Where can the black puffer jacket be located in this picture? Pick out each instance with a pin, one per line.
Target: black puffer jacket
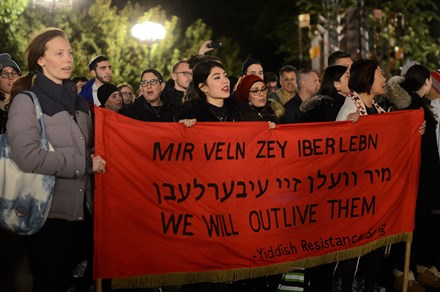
(143, 111)
(272, 111)
(429, 185)
(204, 112)
(322, 108)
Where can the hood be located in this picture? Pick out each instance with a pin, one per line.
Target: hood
(312, 102)
(396, 95)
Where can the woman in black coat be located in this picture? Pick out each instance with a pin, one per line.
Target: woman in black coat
(254, 104)
(406, 93)
(211, 92)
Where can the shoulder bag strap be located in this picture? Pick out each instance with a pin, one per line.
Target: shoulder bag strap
(40, 117)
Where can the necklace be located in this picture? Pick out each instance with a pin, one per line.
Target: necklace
(220, 113)
(156, 110)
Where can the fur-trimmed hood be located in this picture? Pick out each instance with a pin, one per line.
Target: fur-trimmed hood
(277, 107)
(396, 95)
(314, 101)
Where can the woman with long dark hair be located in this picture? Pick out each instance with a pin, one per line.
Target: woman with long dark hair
(211, 101)
(406, 93)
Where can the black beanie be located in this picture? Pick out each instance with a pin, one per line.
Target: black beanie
(6, 61)
(104, 92)
(247, 63)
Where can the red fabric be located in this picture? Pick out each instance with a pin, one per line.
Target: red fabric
(252, 175)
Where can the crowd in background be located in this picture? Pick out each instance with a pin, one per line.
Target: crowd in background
(200, 90)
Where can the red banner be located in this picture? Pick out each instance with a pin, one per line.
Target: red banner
(226, 201)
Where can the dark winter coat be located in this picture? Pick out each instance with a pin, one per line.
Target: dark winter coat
(143, 111)
(272, 111)
(204, 112)
(69, 129)
(429, 186)
(293, 114)
(322, 108)
(171, 95)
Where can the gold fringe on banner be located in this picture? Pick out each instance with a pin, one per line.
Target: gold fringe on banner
(173, 279)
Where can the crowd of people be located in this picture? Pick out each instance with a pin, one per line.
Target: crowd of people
(200, 90)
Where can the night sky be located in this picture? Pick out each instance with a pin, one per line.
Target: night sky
(236, 19)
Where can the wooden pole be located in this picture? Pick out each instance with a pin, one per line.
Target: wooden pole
(406, 266)
(98, 283)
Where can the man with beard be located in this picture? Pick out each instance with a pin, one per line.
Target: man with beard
(101, 70)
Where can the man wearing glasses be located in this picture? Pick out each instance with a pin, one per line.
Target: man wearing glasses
(150, 106)
(288, 85)
(176, 87)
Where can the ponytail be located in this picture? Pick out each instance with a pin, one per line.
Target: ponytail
(21, 84)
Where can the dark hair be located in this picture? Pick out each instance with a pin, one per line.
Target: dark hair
(196, 59)
(178, 63)
(415, 78)
(287, 68)
(76, 79)
(270, 77)
(331, 74)
(201, 73)
(333, 57)
(155, 72)
(94, 62)
(34, 51)
(362, 75)
(247, 63)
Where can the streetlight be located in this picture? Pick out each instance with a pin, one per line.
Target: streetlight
(52, 5)
(148, 32)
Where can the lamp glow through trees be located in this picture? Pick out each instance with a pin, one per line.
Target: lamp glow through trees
(148, 32)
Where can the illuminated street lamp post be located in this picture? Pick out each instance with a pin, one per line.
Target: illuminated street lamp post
(148, 32)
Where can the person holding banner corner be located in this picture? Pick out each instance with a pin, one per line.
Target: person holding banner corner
(54, 249)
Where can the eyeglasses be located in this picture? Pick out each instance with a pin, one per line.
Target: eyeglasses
(116, 95)
(185, 73)
(258, 91)
(152, 82)
(127, 93)
(7, 75)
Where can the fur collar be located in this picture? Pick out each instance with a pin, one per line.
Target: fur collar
(277, 107)
(396, 95)
(314, 101)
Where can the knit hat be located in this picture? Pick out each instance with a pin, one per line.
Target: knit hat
(247, 63)
(6, 61)
(245, 85)
(436, 80)
(104, 92)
